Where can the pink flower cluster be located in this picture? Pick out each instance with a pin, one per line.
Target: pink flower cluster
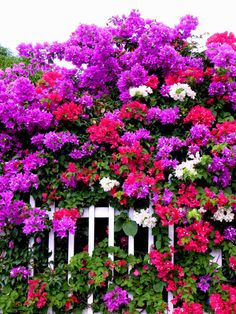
(195, 237)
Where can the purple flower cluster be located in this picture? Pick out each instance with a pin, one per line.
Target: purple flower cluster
(64, 225)
(17, 173)
(23, 90)
(9, 143)
(34, 221)
(37, 119)
(227, 138)
(115, 299)
(200, 134)
(167, 196)
(223, 56)
(21, 109)
(33, 161)
(187, 24)
(100, 57)
(129, 138)
(54, 140)
(164, 116)
(87, 149)
(114, 116)
(134, 77)
(165, 146)
(10, 210)
(204, 283)
(230, 233)
(221, 166)
(20, 271)
(22, 182)
(136, 188)
(86, 100)
(70, 181)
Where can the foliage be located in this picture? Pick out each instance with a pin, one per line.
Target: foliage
(7, 59)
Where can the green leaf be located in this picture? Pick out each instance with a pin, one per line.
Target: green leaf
(118, 224)
(159, 241)
(130, 228)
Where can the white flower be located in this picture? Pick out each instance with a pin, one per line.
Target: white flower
(202, 210)
(225, 214)
(188, 166)
(107, 184)
(142, 90)
(144, 218)
(180, 91)
(149, 222)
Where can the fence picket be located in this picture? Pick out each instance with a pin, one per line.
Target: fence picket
(91, 230)
(91, 248)
(217, 256)
(131, 239)
(71, 246)
(51, 240)
(150, 236)
(31, 242)
(172, 239)
(111, 232)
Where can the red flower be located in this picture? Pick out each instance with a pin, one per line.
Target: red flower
(223, 305)
(189, 308)
(68, 111)
(195, 237)
(72, 168)
(44, 197)
(107, 263)
(105, 132)
(200, 115)
(72, 213)
(224, 128)
(49, 78)
(188, 196)
(36, 293)
(166, 270)
(232, 262)
(169, 215)
(72, 300)
(152, 81)
(133, 110)
(223, 38)
(222, 199)
(122, 263)
(188, 76)
(218, 238)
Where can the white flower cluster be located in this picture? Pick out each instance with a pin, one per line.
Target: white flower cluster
(202, 210)
(144, 218)
(142, 90)
(180, 91)
(225, 214)
(107, 184)
(188, 166)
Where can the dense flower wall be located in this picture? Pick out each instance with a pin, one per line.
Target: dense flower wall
(142, 118)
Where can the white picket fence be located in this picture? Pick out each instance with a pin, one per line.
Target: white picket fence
(91, 214)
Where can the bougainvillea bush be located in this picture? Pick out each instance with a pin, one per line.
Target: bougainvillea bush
(141, 119)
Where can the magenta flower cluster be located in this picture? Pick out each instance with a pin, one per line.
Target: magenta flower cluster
(115, 299)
